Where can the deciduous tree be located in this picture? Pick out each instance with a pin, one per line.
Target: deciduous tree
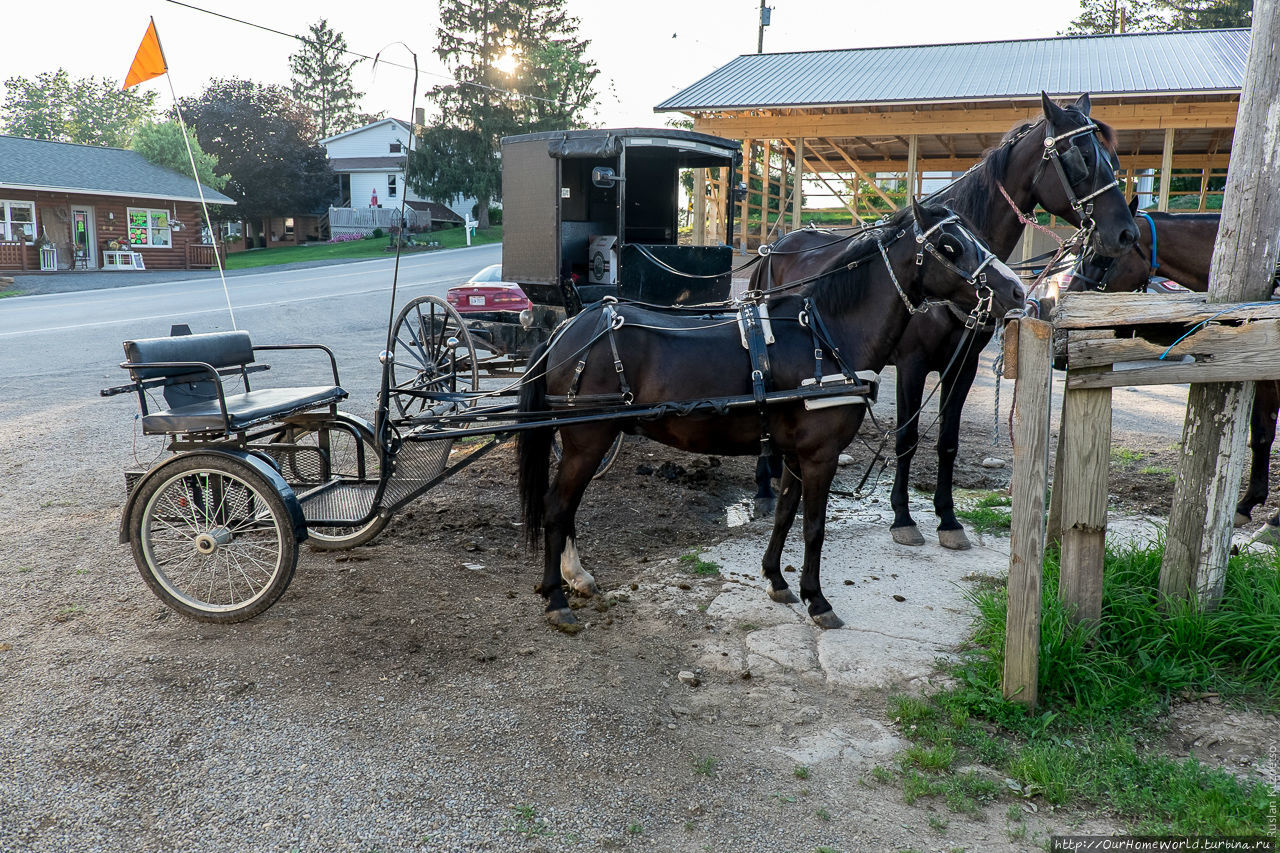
(161, 143)
(84, 110)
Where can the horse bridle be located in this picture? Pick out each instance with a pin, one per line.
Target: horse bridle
(1101, 283)
(977, 278)
(1072, 169)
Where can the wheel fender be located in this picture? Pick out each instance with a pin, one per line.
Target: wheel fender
(268, 472)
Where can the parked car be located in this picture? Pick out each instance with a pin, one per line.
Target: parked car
(497, 313)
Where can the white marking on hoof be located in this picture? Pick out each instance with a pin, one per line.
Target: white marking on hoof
(578, 578)
(828, 620)
(909, 535)
(954, 540)
(783, 596)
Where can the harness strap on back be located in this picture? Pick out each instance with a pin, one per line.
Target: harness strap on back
(761, 370)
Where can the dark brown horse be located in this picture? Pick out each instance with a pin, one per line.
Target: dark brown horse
(1179, 246)
(853, 315)
(1073, 177)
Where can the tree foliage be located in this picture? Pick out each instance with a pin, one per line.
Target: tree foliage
(161, 143)
(1208, 14)
(265, 141)
(548, 84)
(322, 80)
(84, 110)
(1113, 16)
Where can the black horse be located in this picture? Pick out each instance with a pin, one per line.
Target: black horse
(1066, 163)
(1179, 246)
(854, 315)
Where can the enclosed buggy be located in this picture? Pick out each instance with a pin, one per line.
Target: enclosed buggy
(595, 213)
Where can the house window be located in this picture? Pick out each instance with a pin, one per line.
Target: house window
(149, 229)
(232, 230)
(395, 148)
(18, 221)
(391, 186)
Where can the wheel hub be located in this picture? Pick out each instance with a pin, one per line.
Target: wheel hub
(212, 540)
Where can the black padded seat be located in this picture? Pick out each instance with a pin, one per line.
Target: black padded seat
(243, 410)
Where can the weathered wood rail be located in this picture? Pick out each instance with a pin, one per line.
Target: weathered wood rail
(1113, 340)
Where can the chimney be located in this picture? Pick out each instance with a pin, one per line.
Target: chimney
(419, 117)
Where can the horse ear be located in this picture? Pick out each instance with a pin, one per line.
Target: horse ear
(1052, 111)
(1133, 206)
(919, 213)
(1082, 104)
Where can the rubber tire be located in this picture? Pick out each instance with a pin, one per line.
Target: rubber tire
(143, 524)
(332, 538)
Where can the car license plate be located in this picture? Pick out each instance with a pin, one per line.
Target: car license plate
(475, 300)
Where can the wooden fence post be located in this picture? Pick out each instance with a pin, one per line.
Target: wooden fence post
(1085, 451)
(1244, 257)
(1033, 367)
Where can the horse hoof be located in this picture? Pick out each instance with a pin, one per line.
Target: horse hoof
(909, 535)
(1242, 519)
(828, 620)
(783, 596)
(584, 591)
(954, 540)
(564, 620)
(764, 507)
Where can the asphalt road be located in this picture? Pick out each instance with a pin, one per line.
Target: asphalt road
(58, 344)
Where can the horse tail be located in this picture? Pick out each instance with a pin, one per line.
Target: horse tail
(533, 449)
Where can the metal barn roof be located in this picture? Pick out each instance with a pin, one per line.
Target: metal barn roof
(1193, 61)
(40, 164)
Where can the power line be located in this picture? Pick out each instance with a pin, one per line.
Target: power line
(376, 58)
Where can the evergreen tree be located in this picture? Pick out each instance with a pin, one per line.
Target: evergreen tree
(84, 110)
(519, 67)
(322, 80)
(1208, 14)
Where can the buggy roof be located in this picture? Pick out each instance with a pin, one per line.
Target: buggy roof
(609, 142)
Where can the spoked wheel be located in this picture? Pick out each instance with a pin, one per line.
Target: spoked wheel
(610, 456)
(433, 353)
(213, 538)
(312, 453)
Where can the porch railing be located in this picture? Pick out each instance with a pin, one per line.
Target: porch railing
(368, 218)
(13, 255)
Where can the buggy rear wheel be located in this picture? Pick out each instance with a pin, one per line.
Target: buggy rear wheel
(311, 453)
(432, 353)
(213, 538)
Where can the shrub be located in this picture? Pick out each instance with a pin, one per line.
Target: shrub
(377, 233)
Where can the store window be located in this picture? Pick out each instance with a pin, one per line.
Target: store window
(149, 229)
(18, 221)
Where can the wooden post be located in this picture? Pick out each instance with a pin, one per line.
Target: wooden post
(1244, 257)
(699, 207)
(748, 151)
(765, 176)
(913, 156)
(797, 191)
(1026, 544)
(1053, 527)
(1084, 442)
(1166, 169)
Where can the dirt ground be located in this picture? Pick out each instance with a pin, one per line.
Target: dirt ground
(409, 696)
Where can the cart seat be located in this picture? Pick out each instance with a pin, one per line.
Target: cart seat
(243, 410)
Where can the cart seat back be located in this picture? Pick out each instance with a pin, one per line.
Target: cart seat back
(216, 349)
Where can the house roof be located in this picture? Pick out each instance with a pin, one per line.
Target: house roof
(404, 125)
(438, 211)
(361, 164)
(1184, 62)
(39, 164)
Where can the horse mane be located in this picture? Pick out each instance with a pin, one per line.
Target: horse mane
(841, 288)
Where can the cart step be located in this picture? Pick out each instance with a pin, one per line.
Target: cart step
(338, 501)
(417, 463)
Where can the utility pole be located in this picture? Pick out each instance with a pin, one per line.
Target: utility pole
(764, 22)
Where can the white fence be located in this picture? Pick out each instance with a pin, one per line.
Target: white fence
(362, 220)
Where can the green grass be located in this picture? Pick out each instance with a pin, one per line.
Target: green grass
(375, 247)
(1125, 456)
(705, 568)
(990, 514)
(801, 771)
(5, 294)
(706, 766)
(1093, 741)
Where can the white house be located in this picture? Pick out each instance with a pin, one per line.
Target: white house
(369, 162)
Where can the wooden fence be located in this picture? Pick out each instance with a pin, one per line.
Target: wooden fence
(365, 219)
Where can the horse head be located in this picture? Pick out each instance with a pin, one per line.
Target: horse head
(1075, 178)
(955, 265)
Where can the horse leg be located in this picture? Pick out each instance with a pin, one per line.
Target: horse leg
(788, 503)
(816, 475)
(911, 376)
(560, 558)
(1262, 434)
(955, 388)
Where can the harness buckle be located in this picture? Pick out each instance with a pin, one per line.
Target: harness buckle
(757, 376)
(617, 367)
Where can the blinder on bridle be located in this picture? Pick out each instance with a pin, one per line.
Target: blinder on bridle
(1072, 168)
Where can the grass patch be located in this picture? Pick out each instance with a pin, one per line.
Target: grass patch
(704, 568)
(989, 514)
(801, 771)
(367, 249)
(5, 294)
(526, 823)
(1093, 740)
(706, 766)
(1125, 456)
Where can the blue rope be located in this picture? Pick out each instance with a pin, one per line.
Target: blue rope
(1151, 226)
(1207, 321)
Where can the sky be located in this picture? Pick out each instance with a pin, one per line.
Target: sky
(646, 50)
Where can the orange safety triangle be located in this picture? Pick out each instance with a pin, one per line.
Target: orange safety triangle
(149, 61)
